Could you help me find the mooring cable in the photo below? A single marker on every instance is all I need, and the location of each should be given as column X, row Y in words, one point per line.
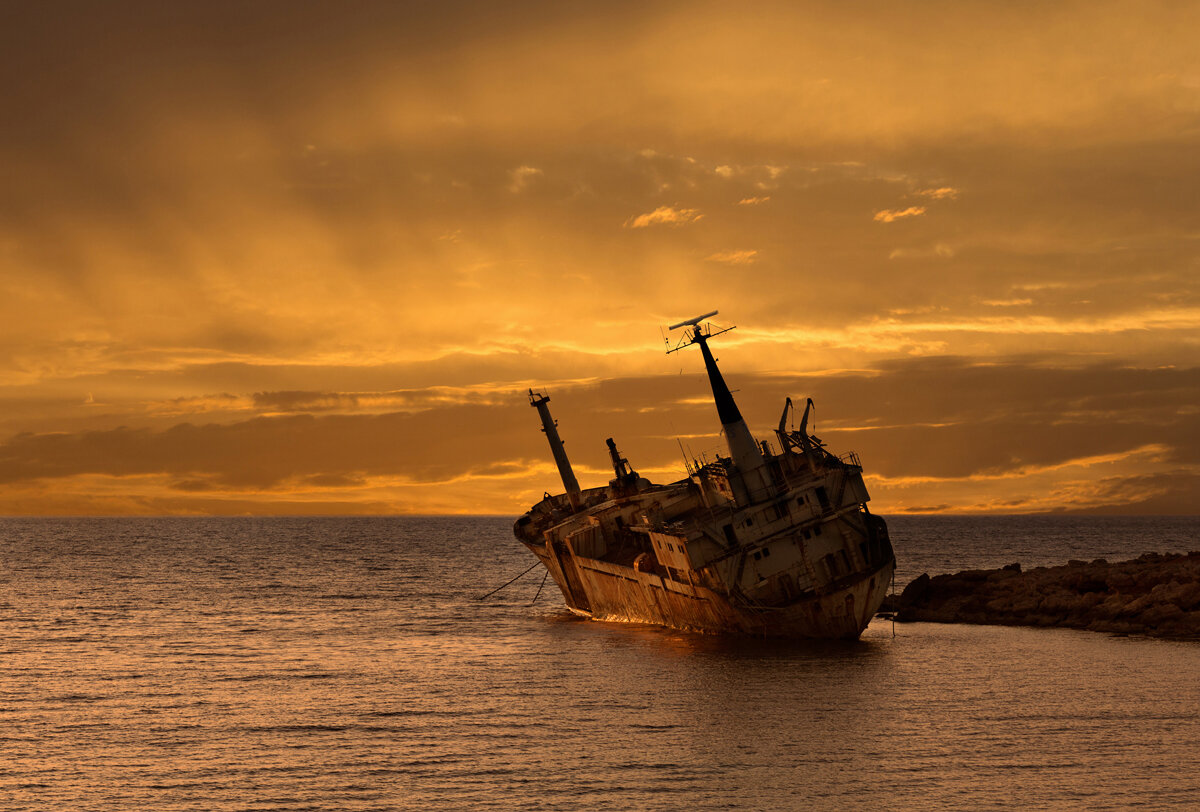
column 497, row 589
column 539, row 592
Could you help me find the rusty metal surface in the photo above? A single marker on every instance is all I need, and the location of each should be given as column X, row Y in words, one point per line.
column 776, row 545
column 604, row 591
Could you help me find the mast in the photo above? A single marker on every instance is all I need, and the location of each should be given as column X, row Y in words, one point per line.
column 550, row 426
column 744, row 450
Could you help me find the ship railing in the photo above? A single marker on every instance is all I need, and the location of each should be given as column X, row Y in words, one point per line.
column 850, row 458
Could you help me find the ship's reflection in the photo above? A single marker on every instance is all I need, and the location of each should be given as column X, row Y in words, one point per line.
column 666, row 642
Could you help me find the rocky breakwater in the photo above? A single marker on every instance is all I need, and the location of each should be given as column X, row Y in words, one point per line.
column 1156, row 595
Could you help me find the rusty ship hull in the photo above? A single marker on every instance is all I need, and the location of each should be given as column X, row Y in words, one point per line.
column 763, row 542
column 601, row 590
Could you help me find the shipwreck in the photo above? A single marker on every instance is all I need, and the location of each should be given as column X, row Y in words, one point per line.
column 763, row 542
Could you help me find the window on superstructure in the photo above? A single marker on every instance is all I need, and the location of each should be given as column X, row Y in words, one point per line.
column 822, row 497
column 785, row 585
column 830, row 565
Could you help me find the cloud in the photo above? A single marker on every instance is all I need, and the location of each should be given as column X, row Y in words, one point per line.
column 942, row 508
column 173, row 237
column 937, row 251
column 891, row 215
column 520, row 178
column 1006, row 302
column 665, row 215
column 409, row 400
column 746, row 257
column 931, row 431
column 202, row 404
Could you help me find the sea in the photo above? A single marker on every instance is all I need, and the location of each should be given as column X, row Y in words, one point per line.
column 353, row 664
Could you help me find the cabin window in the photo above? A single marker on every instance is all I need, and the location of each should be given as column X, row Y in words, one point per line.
column 822, row 497
column 817, row 530
column 766, row 552
column 785, row 585
column 808, row 534
column 845, row 560
column 757, row 556
column 830, row 565
column 729, row 534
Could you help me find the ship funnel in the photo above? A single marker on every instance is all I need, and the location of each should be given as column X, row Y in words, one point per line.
column 550, row 426
column 743, row 449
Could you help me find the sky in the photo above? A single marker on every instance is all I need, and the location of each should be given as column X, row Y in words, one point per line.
column 308, row 258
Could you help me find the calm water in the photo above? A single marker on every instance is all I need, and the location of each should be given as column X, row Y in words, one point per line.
column 245, row 664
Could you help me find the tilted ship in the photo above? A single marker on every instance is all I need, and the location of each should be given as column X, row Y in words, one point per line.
column 758, row 543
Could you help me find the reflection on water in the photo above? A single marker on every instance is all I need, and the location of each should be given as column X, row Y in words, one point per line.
column 344, row 664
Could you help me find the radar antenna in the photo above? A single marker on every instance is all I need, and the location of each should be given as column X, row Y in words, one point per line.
column 698, row 333
column 752, row 483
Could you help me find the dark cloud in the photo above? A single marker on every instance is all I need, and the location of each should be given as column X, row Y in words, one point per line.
column 375, row 225
column 268, row 452
column 1175, row 492
column 925, row 509
column 941, row 418
column 334, row 481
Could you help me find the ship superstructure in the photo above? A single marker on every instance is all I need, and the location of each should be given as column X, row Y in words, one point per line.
column 760, row 543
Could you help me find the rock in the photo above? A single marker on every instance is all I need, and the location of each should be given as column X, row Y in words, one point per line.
column 1154, row 594
column 916, row 591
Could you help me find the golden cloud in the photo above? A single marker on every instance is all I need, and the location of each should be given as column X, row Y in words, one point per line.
column 891, row 215
column 520, row 178
column 665, row 215
column 395, row 213
column 746, row 257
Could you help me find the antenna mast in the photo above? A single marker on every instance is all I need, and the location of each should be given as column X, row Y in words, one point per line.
column 745, row 452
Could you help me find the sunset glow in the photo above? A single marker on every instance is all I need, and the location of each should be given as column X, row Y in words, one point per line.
column 295, row 258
